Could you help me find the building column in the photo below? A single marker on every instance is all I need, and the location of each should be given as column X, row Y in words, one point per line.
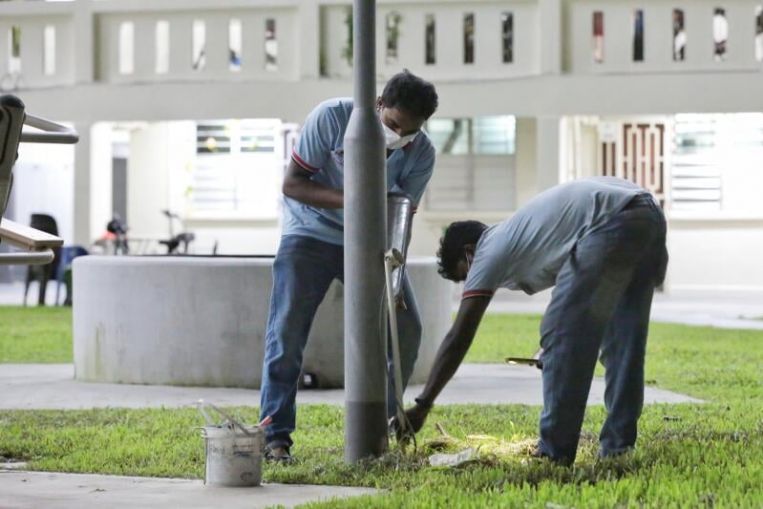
column 550, row 36
column 84, row 40
column 309, row 40
column 548, row 152
column 526, row 156
column 92, row 182
column 81, row 216
column 148, row 180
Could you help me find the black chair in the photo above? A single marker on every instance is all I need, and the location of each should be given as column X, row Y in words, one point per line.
column 42, row 273
column 64, row 260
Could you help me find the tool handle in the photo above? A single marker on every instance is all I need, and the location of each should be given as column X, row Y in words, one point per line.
column 523, row 360
column 201, row 404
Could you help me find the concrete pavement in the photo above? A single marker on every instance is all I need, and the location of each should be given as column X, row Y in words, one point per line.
column 51, row 386
column 50, row 490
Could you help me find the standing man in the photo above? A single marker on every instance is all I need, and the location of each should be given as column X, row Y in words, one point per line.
column 311, row 252
column 601, row 243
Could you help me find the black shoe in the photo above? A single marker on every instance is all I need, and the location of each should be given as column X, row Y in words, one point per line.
column 536, row 453
column 278, row 453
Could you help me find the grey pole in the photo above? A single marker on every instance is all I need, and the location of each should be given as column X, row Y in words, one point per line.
column 365, row 216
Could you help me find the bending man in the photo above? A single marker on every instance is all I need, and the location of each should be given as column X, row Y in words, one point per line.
column 601, row 243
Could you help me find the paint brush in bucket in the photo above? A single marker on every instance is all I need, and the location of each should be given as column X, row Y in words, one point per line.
column 233, row 450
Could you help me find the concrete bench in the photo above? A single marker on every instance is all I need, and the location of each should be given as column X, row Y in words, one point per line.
column 200, row 321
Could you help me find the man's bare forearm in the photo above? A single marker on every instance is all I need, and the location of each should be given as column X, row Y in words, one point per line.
column 454, row 347
column 314, row 193
column 449, row 357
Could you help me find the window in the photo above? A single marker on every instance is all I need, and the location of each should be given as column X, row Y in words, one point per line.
column 494, row 135
column 271, row 45
column 720, row 34
column 449, row 135
column 759, row 33
column 213, row 138
column 347, row 50
column 237, row 171
column 704, row 147
column 507, row 37
column 695, row 174
column 469, row 38
column 49, row 50
column 14, row 50
column 198, row 43
column 475, row 165
column 126, row 47
column 429, row 38
column 257, row 137
column 638, row 35
column 392, row 29
column 162, row 35
column 234, row 45
column 598, row 37
column 679, row 36
column 235, row 136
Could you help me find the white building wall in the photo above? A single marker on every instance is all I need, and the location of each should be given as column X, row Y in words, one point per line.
column 161, row 161
column 101, row 209
column 658, row 37
column 722, row 250
column 42, row 179
column 526, row 156
column 552, row 77
column 719, row 254
column 91, row 188
column 148, row 181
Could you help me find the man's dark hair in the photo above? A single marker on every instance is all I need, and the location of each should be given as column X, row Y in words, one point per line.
column 456, row 236
column 411, row 94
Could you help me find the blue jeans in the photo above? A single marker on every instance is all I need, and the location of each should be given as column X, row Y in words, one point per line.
column 601, row 305
column 302, row 273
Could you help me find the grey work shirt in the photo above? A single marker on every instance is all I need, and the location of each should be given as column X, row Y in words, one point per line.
column 527, row 251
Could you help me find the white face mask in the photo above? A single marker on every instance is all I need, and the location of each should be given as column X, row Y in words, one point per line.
column 394, row 140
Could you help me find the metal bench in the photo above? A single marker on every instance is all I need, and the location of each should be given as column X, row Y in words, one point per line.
column 35, row 247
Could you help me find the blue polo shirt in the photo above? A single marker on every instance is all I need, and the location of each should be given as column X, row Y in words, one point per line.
column 527, row 251
column 320, row 151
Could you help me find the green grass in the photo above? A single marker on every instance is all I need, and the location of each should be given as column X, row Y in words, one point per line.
column 691, row 455
column 688, row 455
column 32, row 334
column 700, row 361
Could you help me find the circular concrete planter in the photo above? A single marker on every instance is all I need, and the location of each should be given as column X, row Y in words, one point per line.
column 200, row 321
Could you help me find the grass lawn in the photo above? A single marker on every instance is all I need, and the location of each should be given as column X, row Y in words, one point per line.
column 35, row 334
column 708, row 455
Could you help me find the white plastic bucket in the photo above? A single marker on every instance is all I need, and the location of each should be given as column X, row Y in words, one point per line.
column 233, row 453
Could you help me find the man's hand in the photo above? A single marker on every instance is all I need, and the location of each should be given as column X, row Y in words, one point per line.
column 537, row 355
column 415, row 418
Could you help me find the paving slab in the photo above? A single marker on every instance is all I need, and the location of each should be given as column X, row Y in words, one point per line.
column 52, row 386
column 50, row 490
column 723, row 310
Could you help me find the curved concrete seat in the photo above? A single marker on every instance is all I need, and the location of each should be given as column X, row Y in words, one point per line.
column 201, row 320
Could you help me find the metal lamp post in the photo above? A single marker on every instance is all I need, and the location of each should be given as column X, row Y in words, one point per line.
column 365, row 216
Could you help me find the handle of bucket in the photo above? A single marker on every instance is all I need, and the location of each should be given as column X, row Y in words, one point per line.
column 201, row 404
column 200, row 407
